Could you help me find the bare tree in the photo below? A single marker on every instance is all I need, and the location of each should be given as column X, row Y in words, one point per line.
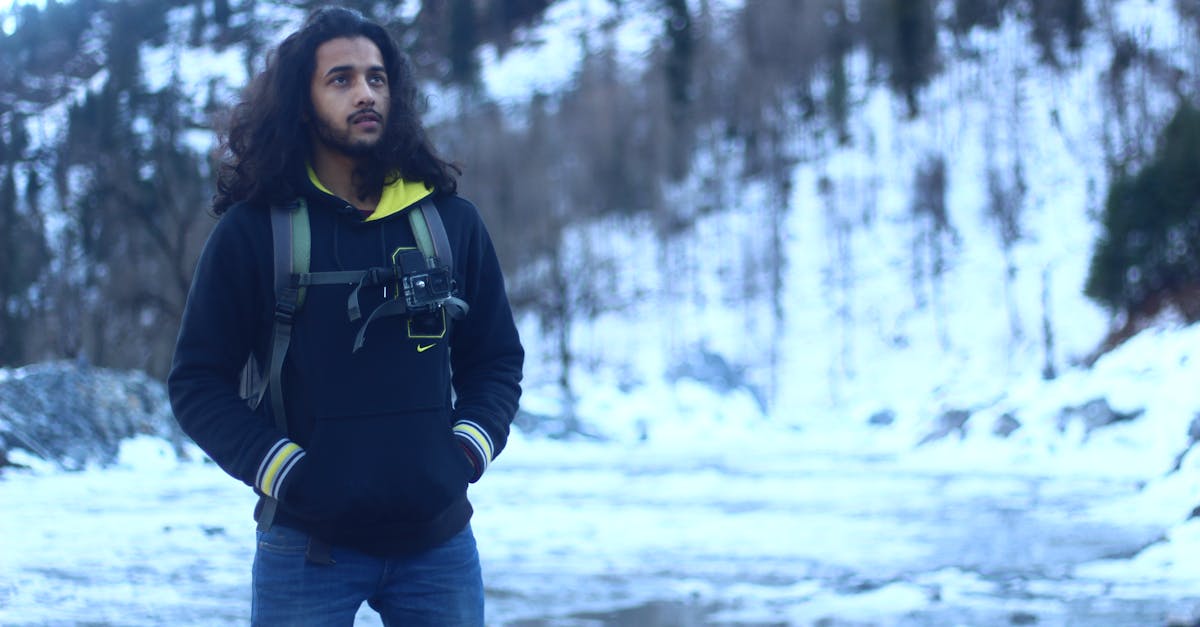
column 839, row 271
column 1006, row 191
column 933, row 237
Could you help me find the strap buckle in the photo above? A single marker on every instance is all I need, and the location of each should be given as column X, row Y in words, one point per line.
column 381, row 276
column 285, row 306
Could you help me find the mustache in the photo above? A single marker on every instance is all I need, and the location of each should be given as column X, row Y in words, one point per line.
column 365, row 114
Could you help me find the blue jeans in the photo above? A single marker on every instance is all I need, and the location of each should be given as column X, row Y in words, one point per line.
column 442, row 586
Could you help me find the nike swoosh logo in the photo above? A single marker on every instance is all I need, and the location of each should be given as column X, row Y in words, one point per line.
column 421, row 348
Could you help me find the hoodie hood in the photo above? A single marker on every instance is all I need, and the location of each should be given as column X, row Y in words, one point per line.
column 396, row 197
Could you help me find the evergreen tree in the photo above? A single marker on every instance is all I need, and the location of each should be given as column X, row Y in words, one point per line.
column 1148, row 255
column 461, row 43
column 902, row 36
column 1057, row 24
column 11, row 332
column 678, row 69
column 970, row 14
column 23, row 244
column 837, row 95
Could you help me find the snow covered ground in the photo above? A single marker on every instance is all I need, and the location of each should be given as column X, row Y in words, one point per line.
column 577, row 534
column 710, row 515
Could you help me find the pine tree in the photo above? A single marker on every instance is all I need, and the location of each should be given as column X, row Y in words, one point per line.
column 461, row 42
column 678, row 69
column 902, row 36
column 1148, row 256
column 23, row 244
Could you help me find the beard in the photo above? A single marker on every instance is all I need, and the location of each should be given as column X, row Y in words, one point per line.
column 341, row 140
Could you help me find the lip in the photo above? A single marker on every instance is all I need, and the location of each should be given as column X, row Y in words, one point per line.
column 367, row 118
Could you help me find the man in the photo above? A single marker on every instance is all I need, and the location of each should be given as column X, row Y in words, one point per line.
column 363, row 484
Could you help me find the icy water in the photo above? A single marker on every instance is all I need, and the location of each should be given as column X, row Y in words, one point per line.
column 830, row 541
column 601, row 536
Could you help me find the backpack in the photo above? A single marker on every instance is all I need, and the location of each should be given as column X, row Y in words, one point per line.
column 425, row 276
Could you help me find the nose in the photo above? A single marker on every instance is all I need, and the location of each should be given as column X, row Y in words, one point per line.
column 364, row 96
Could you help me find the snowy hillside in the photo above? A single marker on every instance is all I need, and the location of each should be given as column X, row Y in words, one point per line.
column 859, row 332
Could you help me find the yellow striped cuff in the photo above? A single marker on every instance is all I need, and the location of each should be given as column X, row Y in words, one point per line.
column 478, row 439
column 275, row 467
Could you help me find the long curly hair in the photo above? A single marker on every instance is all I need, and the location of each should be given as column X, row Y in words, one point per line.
column 266, row 144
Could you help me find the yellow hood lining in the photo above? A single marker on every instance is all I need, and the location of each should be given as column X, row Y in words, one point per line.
column 396, row 197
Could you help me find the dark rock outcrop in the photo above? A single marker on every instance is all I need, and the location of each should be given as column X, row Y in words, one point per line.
column 75, row 415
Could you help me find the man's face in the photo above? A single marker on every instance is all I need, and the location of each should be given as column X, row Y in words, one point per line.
column 350, row 98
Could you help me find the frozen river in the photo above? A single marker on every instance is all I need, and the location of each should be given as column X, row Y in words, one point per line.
column 575, row 534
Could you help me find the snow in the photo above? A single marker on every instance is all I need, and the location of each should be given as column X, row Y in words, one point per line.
column 555, row 48
column 684, row 501
column 696, row 499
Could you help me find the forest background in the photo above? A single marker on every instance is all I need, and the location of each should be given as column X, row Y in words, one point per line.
column 107, row 153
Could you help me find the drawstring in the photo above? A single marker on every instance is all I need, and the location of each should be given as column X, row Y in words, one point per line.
column 337, row 255
column 383, row 252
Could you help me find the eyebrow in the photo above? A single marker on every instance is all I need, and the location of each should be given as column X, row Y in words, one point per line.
column 337, row 69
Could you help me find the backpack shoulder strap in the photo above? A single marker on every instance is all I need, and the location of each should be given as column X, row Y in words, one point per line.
column 291, row 253
column 430, row 233
column 291, row 246
column 255, row 378
column 434, row 244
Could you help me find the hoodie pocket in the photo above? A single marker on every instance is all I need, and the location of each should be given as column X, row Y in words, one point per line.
column 380, row 468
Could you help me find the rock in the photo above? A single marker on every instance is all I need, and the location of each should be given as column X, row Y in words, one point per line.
column 882, row 418
column 714, row 371
column 1194, row 430
column 1193, row 437
column 1094, row 414
column 74, row 415
column 951, row 421
column 1005, row 425
column 1022, row 618
column 555, row 427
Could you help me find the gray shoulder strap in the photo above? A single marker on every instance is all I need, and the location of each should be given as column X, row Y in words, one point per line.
column 430, row 233
column 290, row 255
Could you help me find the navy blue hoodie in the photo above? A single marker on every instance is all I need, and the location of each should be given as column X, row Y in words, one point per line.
column 379, row 450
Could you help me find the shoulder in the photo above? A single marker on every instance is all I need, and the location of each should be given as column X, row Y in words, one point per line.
column 247, row 216
column 243, row 225
column 455, row 205
column 458, row 213
column 242, row 215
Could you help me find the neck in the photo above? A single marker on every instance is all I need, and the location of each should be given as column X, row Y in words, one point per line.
column 336, row 172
